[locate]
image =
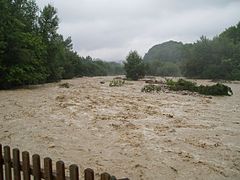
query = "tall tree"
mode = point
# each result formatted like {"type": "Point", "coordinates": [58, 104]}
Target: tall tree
{"type": "Point", "coordinates": [48, 25]}
{"type": "Point", "coordinates": [134, 66]}
{"type": "Point", "coordinates": [21, 47]}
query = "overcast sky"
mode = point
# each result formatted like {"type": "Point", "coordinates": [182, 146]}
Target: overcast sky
{"type": "Point", "coordinates": [109, 29]}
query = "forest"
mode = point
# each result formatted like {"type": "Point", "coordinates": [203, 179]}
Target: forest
{"type": "Point", "coordinates": [33, 52]}
{"type": "Point", "coordinates": [217, 58]}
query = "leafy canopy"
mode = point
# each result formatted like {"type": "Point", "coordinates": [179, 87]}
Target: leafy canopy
{"type": "Point", "coordinates": [134, 66]}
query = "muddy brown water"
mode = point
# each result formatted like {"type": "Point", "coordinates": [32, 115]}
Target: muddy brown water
{"type": "Point", "coordinates": [124, 131]}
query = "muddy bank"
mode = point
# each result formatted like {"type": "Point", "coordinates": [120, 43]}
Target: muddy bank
{"type": "Point", "coordinates": [124, 131]}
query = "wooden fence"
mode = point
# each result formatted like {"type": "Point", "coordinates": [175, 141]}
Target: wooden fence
{"type": "Point", "coordinates": [14, 169]}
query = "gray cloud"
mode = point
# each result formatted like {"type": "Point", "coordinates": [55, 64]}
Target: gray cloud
{"type": "Point", "coordinates": [109, 29]}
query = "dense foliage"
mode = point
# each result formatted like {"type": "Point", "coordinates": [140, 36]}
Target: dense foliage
{"type": "Point", "coordinates": [214, 59]}
{"type": "Point", "coordinates": [170, 51]}
{"type": "Point", "coordinates": [134, 66]}
{"type": "Point", "coordinates": [215, 90]}
{"type": "Point", "coordinates": [217, 58]}
{"type": "Point", "coordinates": [165, 59]}
{"type": "Point", "coordinates": [32, 51]}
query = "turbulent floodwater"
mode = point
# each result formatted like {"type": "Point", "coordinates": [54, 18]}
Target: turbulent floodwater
{"type": "Point", "coordinates": [124, 131]}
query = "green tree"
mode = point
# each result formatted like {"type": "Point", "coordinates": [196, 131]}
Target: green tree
{"type": "Point", "coordinates": [134, 66]}
{"type": "Point", "coordinates": [32, 52]}
{"type": "Point", "coordinates": [48, 25]}
{"type": "Point", "coordinates": [115, 68]}
{"type": "Point", "coordinates": [21, 47]}
{"type": "Point", "coordinates": [216, 58]}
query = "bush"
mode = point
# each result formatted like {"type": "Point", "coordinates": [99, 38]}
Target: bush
{"type": "Point", "coordinates": [214, 90]}
{"type": "Point", "coordinates": [182, 85]}
{"type": "Point", "coordinates": [151, 88]}
{"type": "Point", "coordinates": [116, 82]}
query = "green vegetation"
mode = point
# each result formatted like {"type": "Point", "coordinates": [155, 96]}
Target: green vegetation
{"type": "Point", "coordinates": [215, 90]}
{"type": "Point", "coordinates": [181, 85]}
{"type": "Point", "coordinates": [134, 66]}
{"type": "Point", "coordinates": [217, 58]}
{"type": "Point", "coordinates": [116, 83]}
{"type": "Point", "coordinates": [151, 88]}
{"type": "Point", "coordinates": [33, 52]}
{"type": "Point", "coordinates": [96, 67]}
{"type": "Point", "coordinates": [165, 59]}
{"type": "Point", "coordinates": [158, 68]}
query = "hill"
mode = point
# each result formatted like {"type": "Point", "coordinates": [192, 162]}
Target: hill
{"type": "Point", "coordinates": [164, 59]}
{"type": "Point", "coordinates": [216, 58]}
{"type": "Point", "coordinates": [170, 51]}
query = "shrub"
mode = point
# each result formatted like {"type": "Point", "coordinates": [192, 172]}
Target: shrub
{"type": "Point", "coordinates": [214, 90]}
{"type": "Point", "coordinates": [151, 88]}
{"type": "Point", "coordinates": [116, 82]}
{"type": "Point", "coordinates": [182, 85]}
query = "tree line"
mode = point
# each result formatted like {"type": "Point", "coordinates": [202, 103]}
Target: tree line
{"type": "Point", "coordinates": [217, 58]}
{"type": "Point", "coordinates": [33, 52]}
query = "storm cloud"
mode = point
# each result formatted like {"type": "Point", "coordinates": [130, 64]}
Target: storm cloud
{"type": "Point", "coordinates": [109, 29]}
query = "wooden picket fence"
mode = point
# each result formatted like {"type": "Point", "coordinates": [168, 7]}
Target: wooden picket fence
{"type": "Point", "coordinates": [14, 169]}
